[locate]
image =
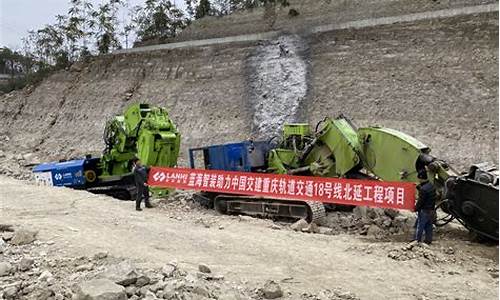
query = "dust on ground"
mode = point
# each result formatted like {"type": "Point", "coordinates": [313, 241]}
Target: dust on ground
{"type": "Point", "coordinates": [248, 258]}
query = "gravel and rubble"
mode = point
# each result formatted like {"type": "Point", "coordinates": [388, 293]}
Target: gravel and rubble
{"type": "Point", "coordinates": [369, 221]}
{"type": "Point", "coordinates": [159, 256]}
{"type": "Point", "coordinates": [16, 166]}
{"type": "Point", "coordinates": [335, 294]}
{"type": "Point", "coordinates": [373, 222]}
{"type": "Point", "coordinates": [28, 273]}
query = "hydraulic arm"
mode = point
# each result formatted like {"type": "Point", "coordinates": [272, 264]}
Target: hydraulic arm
{"type": "Point", "coordinates": [144, 131]}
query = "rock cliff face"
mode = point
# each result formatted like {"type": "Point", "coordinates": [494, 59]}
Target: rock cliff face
{"type": "Point", "coordinates": [301, 15]}
{"type": "Point", "coordinates": [436, 80]}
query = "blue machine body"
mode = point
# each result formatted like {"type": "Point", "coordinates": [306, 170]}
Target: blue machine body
{"type": "Point", "coordinates": [244, 156]}
{"type": "Point", "coordinates": [67, 173]}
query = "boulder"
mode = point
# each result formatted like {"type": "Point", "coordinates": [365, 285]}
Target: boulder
{"type": "Point", "coordinates": [360, 212]}
{"type": "Point", "coordinates": [150, 296]}
{"type": "Point", "coordinates": [200, 290]}
{"type": "Point", "coordinates": [400, 220]}
{"type": "Point", "coordinates": [29, 289]}
{"type": "Point", "coordinates": [23, 237]}
{"type": "Point", "coordinates": [58, 296]}
{"type": "Point", "coordinates": [100, 289]}
{"type": "Point", "coordinates": [299, 225]}
{"type": "Point", "coordinates": [271, 290]}
{"type": "Point", "coordinates": [168, 270]}
{"type": "Point", "coordinates": [130, 290]}
{"type": "Point", "coordinates": [375, 213]}
{"type": "Point", "coordinates": [142, 281]}
{"type": "Point", "coordinates": [387, 223]}
{"type": "Point", "coordinates": [5, 269]}
{"type": "Point", "coordinates": [373, 230]}
{"type": "Point", "coordinates": [143, 291]}
{"type": "Point", "coordinates": [157, 286]}
{"type": "Point", "coordinates": [392, 213]}
{"type": "Point", "coordinates": [382, 221]}
{"type": "Point", "coordinates": [45, 276]}
{"type": "Point", "coordinates": [312, 228]}
{"type": "Point", "coordinates": [449, 251]}
{"type": "Point", "coordinates": [123, 273]}
{"type": "Point", "coordinates": [25, 263]}
{"type": "Point", "coordinates": [101, 255]}
{"type": "Point", "coordinates": [11, 292]}
{"type": "Point", "coordinates": [275, 227]}
{"type": "Point", "coordinates": [325, 230]}
{"type": "Point", "coordinates": [85, 267]}
{"type": "Point", "coordinates": [7, 236]}
{"type": "Point", "coordinates": [204, 268]}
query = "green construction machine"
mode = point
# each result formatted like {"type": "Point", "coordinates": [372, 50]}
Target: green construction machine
{"type": "Point", "coordinates": [143, 130]}
{"type": "Point", "coordinates": [337, 148]}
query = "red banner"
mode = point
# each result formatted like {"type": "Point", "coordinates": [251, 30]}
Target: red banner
{"type": "Point", "coordinates": [397, 195]}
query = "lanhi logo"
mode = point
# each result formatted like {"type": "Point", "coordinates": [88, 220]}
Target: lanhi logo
{"type": "Point", "coordinates": [159, 176]}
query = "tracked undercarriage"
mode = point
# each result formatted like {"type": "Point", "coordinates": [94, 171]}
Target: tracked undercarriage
{"type": "Point", "coordinates": [311, 211]}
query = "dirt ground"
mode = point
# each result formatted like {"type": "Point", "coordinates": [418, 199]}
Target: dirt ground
{"type": "Point", "coordinates": [251, 251]}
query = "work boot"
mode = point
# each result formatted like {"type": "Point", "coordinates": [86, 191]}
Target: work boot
{"type": "Point", "coordinates": [138, 209]}
{"type": "Point", "coordinates": [148, 205]}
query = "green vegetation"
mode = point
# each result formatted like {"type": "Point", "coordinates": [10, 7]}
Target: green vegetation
{"type": "Point", "coordinates": [87, 30]}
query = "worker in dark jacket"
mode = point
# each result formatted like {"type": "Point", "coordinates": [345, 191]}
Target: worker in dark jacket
{"type": "Point", "coordinates": [140, 177]}
{"type": "Point", "coordinates": [425, 208]}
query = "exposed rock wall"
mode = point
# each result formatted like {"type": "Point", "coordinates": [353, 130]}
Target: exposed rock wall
{"type": "Point", "coordinates": [312, 13]}
{"type": "Point", "coordinates": [278, 84]}
{"type": "Point", "coordinates": [436, 80]}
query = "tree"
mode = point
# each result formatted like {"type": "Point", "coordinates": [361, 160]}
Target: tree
{"type": "Point", "coordinates": [158, 20]}
{"type": "Point", "coordinates": [203, 9]}
{"type": "Point", "coordinates": [245, 4]}
{"type": "Point", "coordinates": [78, 31]}
{"type": "Point", "coordinates": [191, 6]}
{"type": "Point", "coordinates": [105, 22]}
{"type": "Point", "coordinates": [198, 8]}
{"type": "Point", "coordinates": [6, 61]}
{"type": "Point", "coordinates": [19, 67]}
{"type": "Point", "coordinates": [221, 8]}
{"type": "Point", "coordinates": [49, 41]}
{"type": "Point", "coordinates": [128, 27]}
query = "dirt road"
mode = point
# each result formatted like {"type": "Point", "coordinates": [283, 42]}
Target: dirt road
{"type": "Point", "coordinates": [248, 250]}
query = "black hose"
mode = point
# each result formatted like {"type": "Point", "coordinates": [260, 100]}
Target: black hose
{"type": "Point", "coordinates": [446, 219]}
{"type": "Point", "coordinates": [320, 122]}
